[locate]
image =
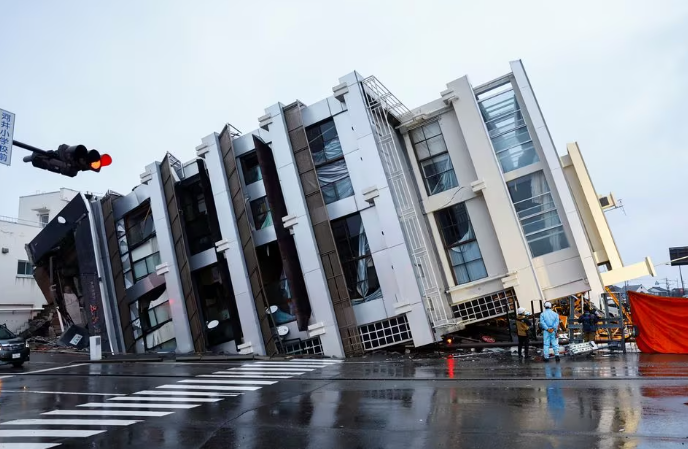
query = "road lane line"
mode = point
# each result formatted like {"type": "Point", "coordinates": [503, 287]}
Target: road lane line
{"type": "Point", "coordinates": [108, 413]}
{"type": "Point", "coordinates": [236, 382]}
{"type": "Point", "coordinates": [143, 405]}
{"type": "Point", "coordinates": [159, 399]}
{"type": "Point", "coordinates": [209, 387]}
{"type": "Point", "coordinates": [257, 368]}
{"type": "Point", "coordinates": [54, 369]}
{"type": "Point", "coordinates": [63, 392]}
{"type": "Point", "coordinates": [295, 363]}
{"type": "Point", "coordinates": [316, 360]}
{"type": "Point", "coordinates": [71, 422]}
{"type": "Point", "coordinates": [221, 374]}
{"type": "Point", "coordinates": [6, 377]}
{"type": "Point", "coordinates": [283, 367]}
{"type": "Point", "coordinates": [257, 374]}
{"type": "Point", "coordinates": [28, 445]}
{"type": "Point", "coordinates": [57, 433]}
{"type": "Point", "coordinates": [185, 393]}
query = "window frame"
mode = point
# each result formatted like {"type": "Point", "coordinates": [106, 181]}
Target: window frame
{"type": "Point", "coordinates": [266, 214]}
{"type": "Point", "coordinates": [26, 264]}
{"type": "Point", "coordinates": [431, 157]}
{"type": "Point", "coordinates": [448, 248]}
{"type": "Point", "coordinates": [354, 259]}
{"type": "Point", "coordinates": [47, 219]}
{"type": "Point", "coordinates": [244, 170]}
{"type": "Point", "coordinates": [339, 158]}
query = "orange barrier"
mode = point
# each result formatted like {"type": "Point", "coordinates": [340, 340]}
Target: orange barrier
{"type": "Point", "coordinates": [662, 323]}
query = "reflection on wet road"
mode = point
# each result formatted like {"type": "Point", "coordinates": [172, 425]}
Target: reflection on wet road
{"type": "Point", "coordinates": [632, 401]}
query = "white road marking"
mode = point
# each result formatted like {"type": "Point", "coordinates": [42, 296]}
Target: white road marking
{"type": "Point", "coordinates": [63, 392]}
{"type": "Point", "coordinates": [222, 374]}
{"type": "Point", "coordinates": [295, 363]}
{"type": "Point", "coordinates": [108, 413]}
{"type": "Point", "coordinates": [186, 393]}
{"type": "Point", "coordinates": [285, 366]}
{"type": "Point", "coordinates": [257, 374]}
{"type": "Point", "coordinates": [57, 433]}
{"type": "Point", "coordinates": [260, 368]}
{"type": "Point", "coordinates": [5, 377]}
{"type": "Point", "coordinates": [144, 398]}
{"type": "Point", "coordinates": [236, 382]}
{"type": "Point", "coordinates": [209, 387]}
{"type": "Point", "coordinates": [53, 369]}
{"type": "Point", "coordinates": [28, 445]}
{"type": "Point", "coordinates": [114, 404]}
{"type": "Point", "coordinates": [71, 422]}
{"type": "Point", "coordinates": [316, 360]}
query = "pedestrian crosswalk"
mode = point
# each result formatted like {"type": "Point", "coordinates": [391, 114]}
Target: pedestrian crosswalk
{"type": "Point", "coordinates": [163, 400]}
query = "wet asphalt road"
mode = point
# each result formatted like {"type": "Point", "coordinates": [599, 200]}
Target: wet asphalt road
{"type": "Point", "coordinates": [632, 401]}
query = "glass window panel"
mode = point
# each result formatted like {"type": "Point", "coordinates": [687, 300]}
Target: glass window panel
{"type": "Point", "coordinates": [518, 157]}
{"type": "Point", "coordinates": [126, 264]}
{"type": "Point", "coordinates": [417, 135]}
{"type": "Point", "coordinates": [456, 256]}
{"type": "Point", "coordinates": [140, 270]}
{"type": "Point", "coordinates": [128, 279]}
{"type": "Point", "coordinates": [328, 130]}
{"type": "Point", "coordinates": [329, 193]}
{"type": "Point", "coordinates": [540, 222]}
{"type": "Point", "coordinates": [548, 241]}
{"type": "Point", "coordinates": [505, 123]}
{"type": "Point", "coordinates": [250, 167]}
{"type": "Point", "coordinates": [511, 139]}
{"type": "Point", "coordinates": [422, 151]}
{"type": "Point", "coordinates": [440, 183]}
{"type": "Point", "coordinates": [502, 104]}
{"type": "Point", "coordinates": [461, 274]}
{"type": "Point", "coordinates": [152, 261]}
{"type": "Point", "coordinates": [436, 145]}
{"type": "Point", "coordinates": [476, 270]}
{"type": "Point", "coordinates": [470, 251]}
{"type": "Point", "coordinates": [344, 188]}
{"type": "Point", "coordinates": [432, 129]}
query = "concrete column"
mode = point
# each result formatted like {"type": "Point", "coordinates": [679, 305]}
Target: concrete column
{"type": "Point", "coordinates": [306, 247]}
{"type": "Point", "coordinates": [168, 262]}
{"type": "Point", "coordinates": [504, 219]}
{"type": "Point", "coordinates": [383, 229]}
{"type": "Point", "coordinates": [250, 324]}
{"type": "Point", "coordinates": [557, 172]}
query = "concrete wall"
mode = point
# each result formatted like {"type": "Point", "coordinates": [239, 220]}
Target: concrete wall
{"type": "Point", "coordinates": [31, 206]}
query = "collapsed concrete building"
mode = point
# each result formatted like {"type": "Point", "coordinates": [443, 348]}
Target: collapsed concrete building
{"type": "Point", "coordinates": [340, 227]}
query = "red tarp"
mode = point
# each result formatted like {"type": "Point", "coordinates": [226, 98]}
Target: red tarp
{"type": "Point", "coordinates": [662, 323]}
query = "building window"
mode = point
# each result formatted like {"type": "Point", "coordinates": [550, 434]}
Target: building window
{"type": "Point", "coordinates": [282, 307]}
{"type": "Point", "coordinates": [139, 225]}
{"type": "Point", "coordinates": [507, 129]}
{"type": "Point", "coordinates": [24, 268]}
{"type": "Point", "coordinates": [215, 297]}
{"type": "Point", "coordinates": [357, 263]}
{"type": "Point", "coordinates": [250, 168]}
{"type": "Point", "coordinates": [196, 220]}
{"type": "Point", "coordinates": [460, 243]}
{"type": "Point", "coordinates": [433, 158]}
{"type": "Point", "coordinates": [262, 215]}
{"type": "Point", "coordinates": [43, 219]}
{"type": "Point", "coordinates": [328, 158]}
{"type": "Point", "coordinates": [538, 214]}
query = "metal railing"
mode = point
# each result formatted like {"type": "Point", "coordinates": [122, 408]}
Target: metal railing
{"type": "Point", "coordinates": [380, 102]}
{"type": "Point", "coordinates": [14, 220]}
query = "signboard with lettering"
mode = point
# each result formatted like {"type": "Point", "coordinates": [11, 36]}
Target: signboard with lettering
{"type": "Point", "coordinates": [6, 135]}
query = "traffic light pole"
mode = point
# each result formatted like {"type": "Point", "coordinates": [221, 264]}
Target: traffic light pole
{"type": "Point", "coordinates": [67, 160]}
{"type": "Point", "coordinates": [25, 146]}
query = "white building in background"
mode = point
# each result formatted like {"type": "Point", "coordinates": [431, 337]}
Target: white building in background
{"type": "Point", "coordinates": [20, 297]}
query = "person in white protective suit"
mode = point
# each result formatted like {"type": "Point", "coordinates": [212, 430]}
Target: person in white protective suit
{"type": "Point", "coordinates": [549, 323]}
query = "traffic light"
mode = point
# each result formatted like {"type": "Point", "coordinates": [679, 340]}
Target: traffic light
{"type": "Point", "coordinates": [69, 160]}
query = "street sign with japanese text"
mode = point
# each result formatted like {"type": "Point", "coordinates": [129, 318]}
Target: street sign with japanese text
{"type": "Point", "coordinates": [6, 135]}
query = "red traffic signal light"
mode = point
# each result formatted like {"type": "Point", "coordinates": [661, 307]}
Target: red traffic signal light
{"type": "Point", "coordinates": [103, 161]}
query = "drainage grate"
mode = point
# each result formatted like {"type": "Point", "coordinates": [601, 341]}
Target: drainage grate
{"type": "Point", "coordinates": [385, 333]}
{"type": "Point", "coordinates": [487, 307]}
{"type": "Point", "coordinates": [311, 346]}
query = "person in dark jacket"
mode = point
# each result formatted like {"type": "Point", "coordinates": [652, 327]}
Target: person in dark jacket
{"type": "Point", "coordinates": [589, 321]}
{"type": "Point", "coordinates": [523, 325]}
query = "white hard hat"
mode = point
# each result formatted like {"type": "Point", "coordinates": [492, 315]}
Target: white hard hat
{"type": "Point", "coordinates": [520, 310]}
{"type": "Point", "coordinates": [548, 305]}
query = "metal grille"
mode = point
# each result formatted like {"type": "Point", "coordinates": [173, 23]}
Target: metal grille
{"type": "Point", "coordinates": [180, 252]}
{"type": "Point", "coordinates": [487, 307]}
{"type": "Point", "coordinates": [246, 237]}
{"type": "Point", "coordinates": [380, 103]}
{"type": "Point", "coordinates": [311, 346]}
{"type": "Point", "coordinates": [117, 272]}
{"type": "Point", "coordinates": [332, 268]}
{"type": "Point", "coordinates": [385, 333]}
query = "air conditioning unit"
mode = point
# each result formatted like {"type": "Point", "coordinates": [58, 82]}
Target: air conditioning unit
{"type": "Point", "coordinates": [607, 201]}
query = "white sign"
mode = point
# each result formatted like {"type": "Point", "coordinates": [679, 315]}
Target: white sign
{"type": "Point", "coordinates": [6, 135]}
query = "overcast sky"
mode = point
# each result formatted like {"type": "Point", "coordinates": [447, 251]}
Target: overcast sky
{"type": "Point", "coordinates": [137, 79]}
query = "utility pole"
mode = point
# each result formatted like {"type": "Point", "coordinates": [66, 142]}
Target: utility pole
{"type": "Point", "coordinates": [683, 287]}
